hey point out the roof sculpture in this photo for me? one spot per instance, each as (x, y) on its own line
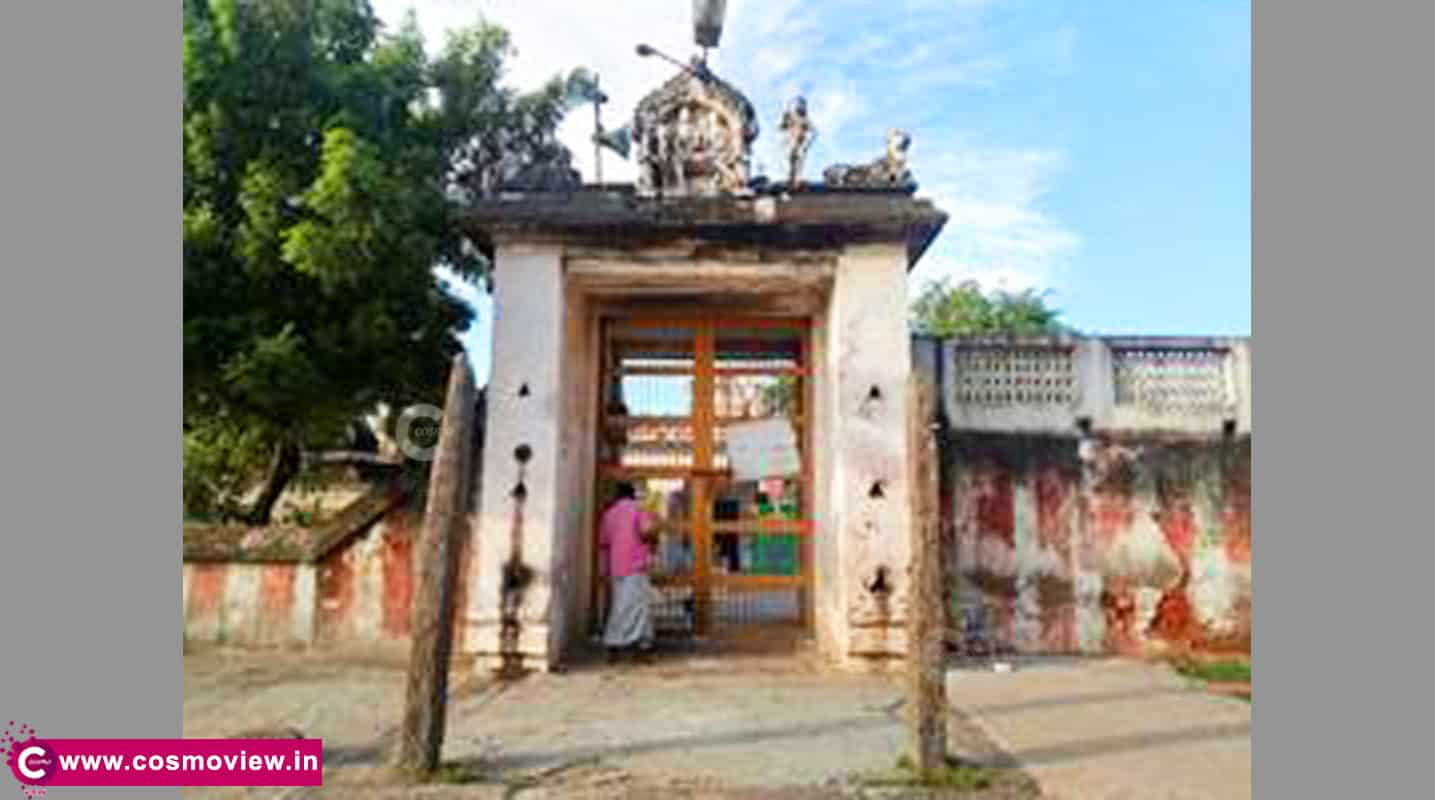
(694, 136)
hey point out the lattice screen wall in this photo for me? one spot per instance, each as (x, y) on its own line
(1015, 376)
(1187, 381)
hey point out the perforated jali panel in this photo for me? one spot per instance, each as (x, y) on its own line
(1172, 381)
(1008, 376)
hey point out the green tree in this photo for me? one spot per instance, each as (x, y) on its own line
(325, 162)
(964, 309)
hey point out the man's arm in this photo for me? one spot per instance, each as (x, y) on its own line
(649, 526)
(603, 552)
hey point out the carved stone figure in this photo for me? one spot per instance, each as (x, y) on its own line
(800, 132)
(650, 148)
(729, 159)
(695, 134)
(890, 171)
(688, 151)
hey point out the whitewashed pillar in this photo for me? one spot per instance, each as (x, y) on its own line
(524, 410)
(868, 361)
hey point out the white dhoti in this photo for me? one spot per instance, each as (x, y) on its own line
(630, 612)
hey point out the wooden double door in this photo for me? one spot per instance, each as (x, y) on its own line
(709, 418)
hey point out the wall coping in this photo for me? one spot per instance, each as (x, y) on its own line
(1075, 385)
(288, 544)
(616, 216)
(1073, 339)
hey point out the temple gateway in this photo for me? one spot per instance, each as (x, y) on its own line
(735, 347)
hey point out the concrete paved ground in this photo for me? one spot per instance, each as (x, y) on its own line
(1110, 730)
(690, 725)
(702, 726)
(699, 716)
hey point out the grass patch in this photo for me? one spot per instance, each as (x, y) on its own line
(454, 774)
(1215, 671)
(445, 774)
(956, 776)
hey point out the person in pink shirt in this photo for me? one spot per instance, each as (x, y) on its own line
(626, 535)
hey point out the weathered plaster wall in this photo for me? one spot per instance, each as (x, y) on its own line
(365, 589)
(518, 524)
(249, 604)
(362, 592)
(1101, 493)
(1104, 545)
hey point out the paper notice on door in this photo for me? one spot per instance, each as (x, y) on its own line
(762, 449)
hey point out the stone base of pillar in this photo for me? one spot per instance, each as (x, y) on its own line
(531, 651)
(877, 647)
(487, 665)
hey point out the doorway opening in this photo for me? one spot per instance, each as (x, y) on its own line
(709, 418)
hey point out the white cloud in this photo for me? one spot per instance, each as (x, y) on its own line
(867, 44)
(778, 61)
(770, 20)
(997, 232)
(977, 72)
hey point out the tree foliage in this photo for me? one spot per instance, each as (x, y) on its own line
(964, 310)
(325, 161)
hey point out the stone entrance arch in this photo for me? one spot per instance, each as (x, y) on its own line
(567, 261)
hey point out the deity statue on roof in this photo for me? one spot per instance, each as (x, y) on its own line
(887, 172)
(800, 133)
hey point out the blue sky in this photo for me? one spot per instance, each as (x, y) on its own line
(1097, 149)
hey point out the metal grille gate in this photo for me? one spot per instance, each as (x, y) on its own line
(735, 558)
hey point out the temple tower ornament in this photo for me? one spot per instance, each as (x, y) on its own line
(694, 136)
